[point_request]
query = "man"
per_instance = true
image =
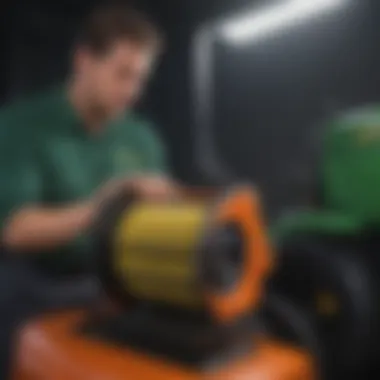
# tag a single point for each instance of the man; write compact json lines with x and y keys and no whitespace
{"x":59,"y":150}
{"x":64,"y":152}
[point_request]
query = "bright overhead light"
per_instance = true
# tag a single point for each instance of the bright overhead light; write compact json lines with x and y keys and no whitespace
{"x":258,"y":24}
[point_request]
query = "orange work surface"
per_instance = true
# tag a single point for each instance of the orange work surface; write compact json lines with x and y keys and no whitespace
{"x":50,"y":349}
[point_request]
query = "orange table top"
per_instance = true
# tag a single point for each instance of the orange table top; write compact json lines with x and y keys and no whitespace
{"x":49,"y":349}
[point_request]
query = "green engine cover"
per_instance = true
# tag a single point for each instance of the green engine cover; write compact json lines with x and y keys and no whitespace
{"x":350,"y":178}
{"x":351,"y":165}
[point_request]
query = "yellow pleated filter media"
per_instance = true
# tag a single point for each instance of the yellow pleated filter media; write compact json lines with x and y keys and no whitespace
{"x":156,"y":252}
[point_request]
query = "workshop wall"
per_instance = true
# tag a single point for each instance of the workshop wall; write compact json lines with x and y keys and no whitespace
{"x":275,"y":98}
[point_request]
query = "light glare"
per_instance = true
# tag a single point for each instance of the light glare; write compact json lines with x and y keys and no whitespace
{"x":259,"y":24}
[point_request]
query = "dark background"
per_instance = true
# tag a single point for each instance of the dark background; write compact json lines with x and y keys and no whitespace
{"x":271,"y":97}
{"x":275,"y":97}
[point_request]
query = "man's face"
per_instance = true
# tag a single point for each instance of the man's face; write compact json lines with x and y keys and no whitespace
{"x":115,"y":80}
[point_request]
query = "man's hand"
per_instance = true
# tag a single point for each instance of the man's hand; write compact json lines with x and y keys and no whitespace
{"x":153,"y":188}
{"x":148,"y":188}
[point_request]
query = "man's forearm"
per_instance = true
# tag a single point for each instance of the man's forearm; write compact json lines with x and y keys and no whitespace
{"x":36,"y":229}
{"x":33,"y":229}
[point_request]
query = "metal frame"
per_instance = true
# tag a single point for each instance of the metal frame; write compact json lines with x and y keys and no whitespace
{"x":207,"y":157}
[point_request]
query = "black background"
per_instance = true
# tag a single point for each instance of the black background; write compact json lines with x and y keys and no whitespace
{"x":271,"y":96}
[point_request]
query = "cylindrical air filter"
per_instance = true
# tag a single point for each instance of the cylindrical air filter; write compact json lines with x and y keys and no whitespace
{"x":209,"y":255}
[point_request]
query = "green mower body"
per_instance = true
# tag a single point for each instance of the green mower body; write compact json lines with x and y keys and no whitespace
{"x":349,"y":179}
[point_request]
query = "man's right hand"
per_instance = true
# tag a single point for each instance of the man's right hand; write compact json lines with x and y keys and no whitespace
{"x":153,"y":188}
{"x":144,"y":187}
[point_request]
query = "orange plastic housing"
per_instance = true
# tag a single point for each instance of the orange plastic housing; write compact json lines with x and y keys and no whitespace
{"x":50,"y":349}
{"x":243,"y":208}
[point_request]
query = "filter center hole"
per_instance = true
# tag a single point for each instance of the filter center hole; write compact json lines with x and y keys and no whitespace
{"x":223,"y":257}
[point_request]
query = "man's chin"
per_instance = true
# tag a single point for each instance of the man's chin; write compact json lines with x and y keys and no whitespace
{"x":118,"y":112}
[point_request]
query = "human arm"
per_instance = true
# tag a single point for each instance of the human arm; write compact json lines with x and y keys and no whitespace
{"x":27,"y":225}
{"x":30,"y":225}
{"x":37,"y":228}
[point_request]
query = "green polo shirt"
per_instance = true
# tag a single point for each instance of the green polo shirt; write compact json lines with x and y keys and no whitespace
{"x":48,"y":158}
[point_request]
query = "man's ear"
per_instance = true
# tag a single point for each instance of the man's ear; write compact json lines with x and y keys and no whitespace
{"x":81,"y":59}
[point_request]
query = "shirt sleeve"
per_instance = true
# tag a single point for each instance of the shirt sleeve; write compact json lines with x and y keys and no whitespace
{"x":20,"y":179}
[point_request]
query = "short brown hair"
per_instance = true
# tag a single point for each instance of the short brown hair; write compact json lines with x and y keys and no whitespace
{"x":108,"y":24}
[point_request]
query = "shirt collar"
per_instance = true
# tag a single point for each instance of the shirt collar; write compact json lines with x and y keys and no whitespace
{"x":72,"y":121}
